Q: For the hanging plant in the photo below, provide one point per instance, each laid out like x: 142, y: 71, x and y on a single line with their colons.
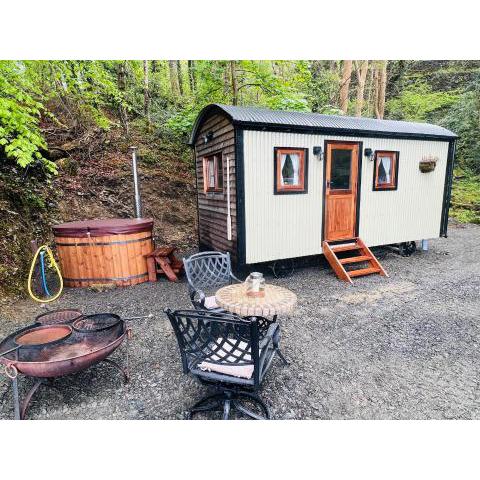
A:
x: 428, y: 164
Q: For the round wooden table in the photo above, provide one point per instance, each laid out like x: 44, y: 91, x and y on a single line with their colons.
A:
x: 277, y: 300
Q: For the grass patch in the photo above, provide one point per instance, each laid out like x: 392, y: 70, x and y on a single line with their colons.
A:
x: 465, y: 197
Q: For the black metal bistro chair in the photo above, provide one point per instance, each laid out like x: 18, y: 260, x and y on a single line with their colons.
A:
x: 228, y: 352
x: 207, y: 272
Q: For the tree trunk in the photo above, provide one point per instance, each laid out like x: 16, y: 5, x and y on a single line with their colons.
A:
x: 362, y: 71
x: 380, y: 85
x: 371, y: 90
x: 191, y: 75
x: 382, y: 88
x: 174, y: 87
x: 376, y: 90
x: 233, y: 82
x: 146, y: 93
x: 345, y: 85
x: 275, y: 69
x: 122, y: 85
x: 180, y: 77
x: 316, y: 68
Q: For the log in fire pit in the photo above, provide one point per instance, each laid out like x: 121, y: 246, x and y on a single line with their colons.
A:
x: 81, y: 349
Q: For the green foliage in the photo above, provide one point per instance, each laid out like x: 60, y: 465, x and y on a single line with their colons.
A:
x: 464, y: 119
x: 181, y: 124
x: 80, y: 95
x: 288, y: 99
x: 85, y: 90
x: 466, y: 192
x: 419, y: 103
x: 35, y: 200
x: 323, y: 87
x: 279, y: 85
x: 148, y: 156
x: 20, y: 135
x: 90, y: 85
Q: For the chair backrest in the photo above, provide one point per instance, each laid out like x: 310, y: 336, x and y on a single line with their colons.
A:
x: 208, y: 270
x: 223, y: 338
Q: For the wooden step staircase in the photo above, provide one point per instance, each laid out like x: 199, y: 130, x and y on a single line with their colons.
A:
x: 360, y: 254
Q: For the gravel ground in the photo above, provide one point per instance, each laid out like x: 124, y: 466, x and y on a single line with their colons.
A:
x: 403, y: 347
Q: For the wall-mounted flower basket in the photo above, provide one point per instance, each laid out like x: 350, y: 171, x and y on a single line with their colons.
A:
x: 428, y: 164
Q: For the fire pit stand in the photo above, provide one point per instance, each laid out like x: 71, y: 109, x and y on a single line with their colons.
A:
x: 21, y: 407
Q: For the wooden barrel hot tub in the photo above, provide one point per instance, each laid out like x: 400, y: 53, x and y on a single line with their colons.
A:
x: 104, y: 251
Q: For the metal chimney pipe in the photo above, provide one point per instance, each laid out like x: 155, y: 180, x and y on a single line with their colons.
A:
x: 138, y: 201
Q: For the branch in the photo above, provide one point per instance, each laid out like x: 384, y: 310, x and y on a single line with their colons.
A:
x: 259, y: 85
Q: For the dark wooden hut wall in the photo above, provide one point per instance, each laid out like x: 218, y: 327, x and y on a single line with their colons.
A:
x: 212, y: 206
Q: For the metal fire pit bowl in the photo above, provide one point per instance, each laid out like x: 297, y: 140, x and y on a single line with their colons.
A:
x: 73, y: 354
x: 54, y: 317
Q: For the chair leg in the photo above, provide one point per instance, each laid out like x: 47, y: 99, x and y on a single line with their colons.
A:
x: 246, y: 411
x: 226, y: 408
x: 280, y: 354
x: 276, y: 345
x: 228, y: 401
x: 210, y: 407
x: 256, y: 400
x: 209, y: 403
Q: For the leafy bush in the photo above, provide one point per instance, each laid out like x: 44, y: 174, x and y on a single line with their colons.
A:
x: 288, y: 100
x: 20, y: 135
x: 323, y: 91
x: 181, y: 123
x: 464, y: 119
x: 83, y: 91
x: 465, y: 195
x: 419, y: 103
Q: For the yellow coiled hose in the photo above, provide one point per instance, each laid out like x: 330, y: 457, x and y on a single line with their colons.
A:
x: 53, y: 263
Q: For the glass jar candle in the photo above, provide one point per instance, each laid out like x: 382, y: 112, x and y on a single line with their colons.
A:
x: 255, y: 285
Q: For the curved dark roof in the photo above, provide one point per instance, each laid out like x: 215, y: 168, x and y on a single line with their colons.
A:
x: 255, y: 117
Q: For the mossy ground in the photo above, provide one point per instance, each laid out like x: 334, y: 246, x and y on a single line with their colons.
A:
x: 466, y: 191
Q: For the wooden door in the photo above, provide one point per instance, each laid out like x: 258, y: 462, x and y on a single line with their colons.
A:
x: 341, y: 187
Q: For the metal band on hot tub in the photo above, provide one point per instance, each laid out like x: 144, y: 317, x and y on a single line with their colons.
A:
x: 85, y: 244
x: 105, y: 279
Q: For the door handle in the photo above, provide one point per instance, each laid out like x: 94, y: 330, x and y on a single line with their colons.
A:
x: 328, y: 183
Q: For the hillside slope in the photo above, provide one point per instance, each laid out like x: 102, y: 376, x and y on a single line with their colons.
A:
x: 98, y: 187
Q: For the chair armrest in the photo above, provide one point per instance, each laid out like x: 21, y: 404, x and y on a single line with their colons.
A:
x: 233, y: 277
x: 201, y: 298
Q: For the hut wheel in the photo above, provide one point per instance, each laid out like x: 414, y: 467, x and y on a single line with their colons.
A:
x: 407, y: 248
x: 283, y: 268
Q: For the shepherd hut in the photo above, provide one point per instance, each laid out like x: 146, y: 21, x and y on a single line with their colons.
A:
x: 277, y: 185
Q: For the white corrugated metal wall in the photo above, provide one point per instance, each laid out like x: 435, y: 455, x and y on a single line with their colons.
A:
x: 284, y: 226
